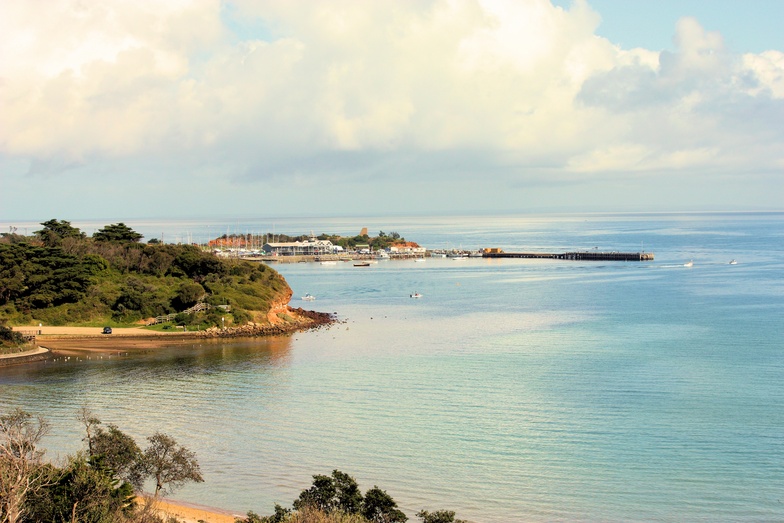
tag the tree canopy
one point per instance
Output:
(118, 232)
(54, 231)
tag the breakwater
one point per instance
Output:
(580, 255)
(34, 354)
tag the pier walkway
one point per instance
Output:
(583, 255)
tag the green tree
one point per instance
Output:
(55, 231)
(187, 295)
(40, 277)
(379, 507)
(169, 464)
(339, 492)
(7, 334)
(280, 516)
(439, 516)
(118, 232)
(81, 492)
(348, 497)
(118, 453)
(197, 264)
(320, 495)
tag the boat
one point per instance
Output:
(419, 259)
(308, 297)
(689, 263)
(733, 262)
(329, 263)
(415, 295)
(362, 264)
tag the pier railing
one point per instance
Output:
(581, 255)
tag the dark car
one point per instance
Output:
(107, 330)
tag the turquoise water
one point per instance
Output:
(514, 390)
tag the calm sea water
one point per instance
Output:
(514, 390)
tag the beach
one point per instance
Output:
(194, 513)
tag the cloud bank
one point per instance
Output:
(454, 99)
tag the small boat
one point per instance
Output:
(419, 260)
(362, 264)
(329, 263)
(308, 297)
(689, 263)
(733, 262)
(415, 295)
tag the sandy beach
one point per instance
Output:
(193, 513)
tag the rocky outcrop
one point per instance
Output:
(279, 307)
(298, 320)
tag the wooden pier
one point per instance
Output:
(580, 255)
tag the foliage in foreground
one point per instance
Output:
(100, 483)
(97, 485)
(338, 499)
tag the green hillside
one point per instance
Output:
(59, 276)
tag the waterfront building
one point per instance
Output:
(311, 247)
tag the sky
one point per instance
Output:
(140, 109)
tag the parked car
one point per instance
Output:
(107, 330)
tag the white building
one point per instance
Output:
(311, 247)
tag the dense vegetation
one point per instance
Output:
(103, 482)
(337, 499)
(60, 276)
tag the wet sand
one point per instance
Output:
(73, 340)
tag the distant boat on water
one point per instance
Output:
(362, 264)
(733, 262)
(415, 295)
(308, 297)
(689, 263)
(329, 263)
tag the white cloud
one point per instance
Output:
(510, 89)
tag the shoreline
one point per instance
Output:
(52, 341)
(187, 512)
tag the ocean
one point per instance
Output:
(512, 390)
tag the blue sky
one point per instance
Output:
(117, 110)
(752, 26)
